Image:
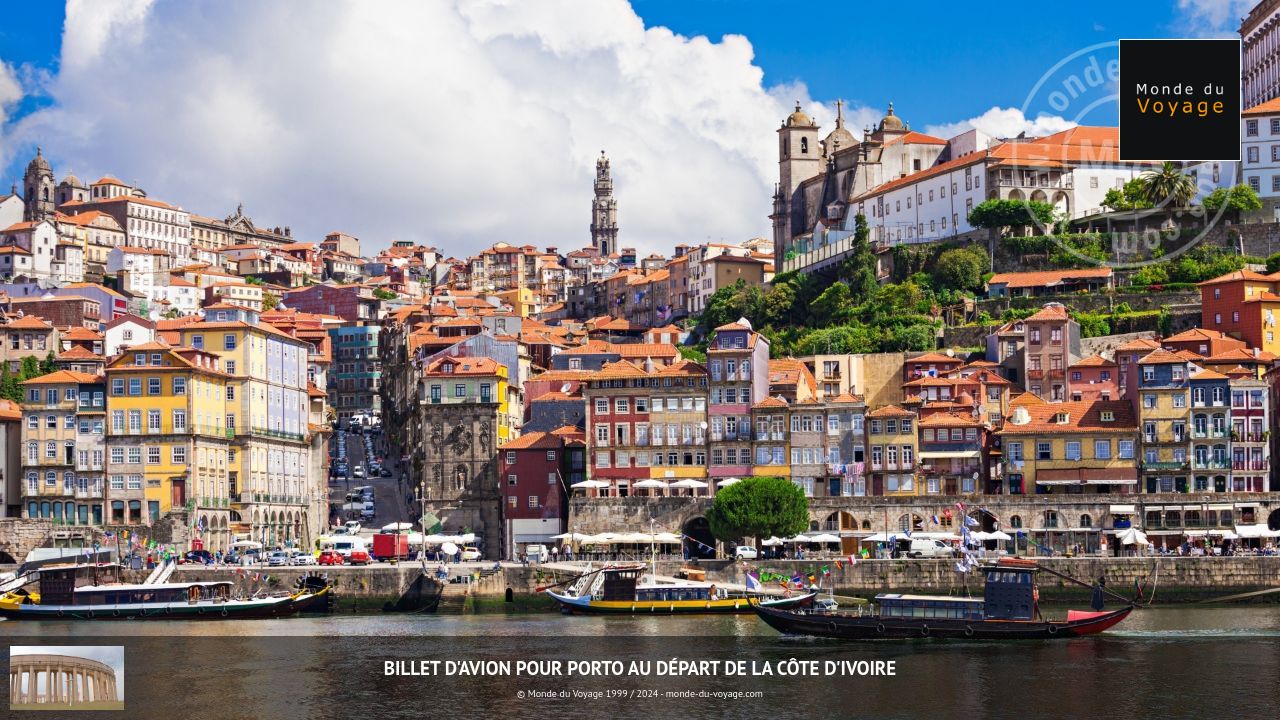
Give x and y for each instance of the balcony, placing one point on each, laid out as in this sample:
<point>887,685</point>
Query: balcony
<point>1251,465</point>
<point>1214,464</point>
<point>1163,465</point>
<point>1035,374</point>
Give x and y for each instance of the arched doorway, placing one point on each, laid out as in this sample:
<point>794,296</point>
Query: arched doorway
<point>1273,520</point>
<point>698,540</point>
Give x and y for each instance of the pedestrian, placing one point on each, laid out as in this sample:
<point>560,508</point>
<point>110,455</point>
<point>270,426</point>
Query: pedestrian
<point>553,553</point>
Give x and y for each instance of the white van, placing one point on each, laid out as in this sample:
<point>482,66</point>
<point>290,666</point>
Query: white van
<point>924,547</point>
<point>344,545</point>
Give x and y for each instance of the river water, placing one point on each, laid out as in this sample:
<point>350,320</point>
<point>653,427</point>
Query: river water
<point>1189,661</point>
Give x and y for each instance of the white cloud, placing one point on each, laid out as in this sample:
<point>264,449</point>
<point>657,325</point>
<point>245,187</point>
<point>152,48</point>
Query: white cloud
<point>10,94</point>
<point>454,123</point>
<point>1212,18</point>
<point>1004,123</point>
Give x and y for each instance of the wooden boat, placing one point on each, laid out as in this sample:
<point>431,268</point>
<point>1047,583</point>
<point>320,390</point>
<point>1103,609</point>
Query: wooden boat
<point>94,592</point>
<point>1008,610</point>
<point>627,590</point>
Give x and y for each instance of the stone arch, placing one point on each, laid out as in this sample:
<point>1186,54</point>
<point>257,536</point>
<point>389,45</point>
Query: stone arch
<point>1273,520</point>
<point>1015,522</point>
<point>866,524</point>
<point>1016,194</point>
<point>1061,203</point>
<point>911,522</point>
<point>698,538</point>
<point>1039,196</point>
<point>839,520</point>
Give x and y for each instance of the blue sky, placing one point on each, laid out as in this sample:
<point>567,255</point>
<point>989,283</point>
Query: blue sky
<point>959,61</point>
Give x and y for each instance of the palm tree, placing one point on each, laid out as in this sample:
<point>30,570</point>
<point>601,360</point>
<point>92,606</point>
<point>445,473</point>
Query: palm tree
<point>1168,187</point>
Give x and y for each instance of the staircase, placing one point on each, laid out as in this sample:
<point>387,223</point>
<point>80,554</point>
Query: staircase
<point>453,599</point>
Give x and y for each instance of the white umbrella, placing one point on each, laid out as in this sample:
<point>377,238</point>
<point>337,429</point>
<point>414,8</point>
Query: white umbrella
<point>590,484</point>
<point>1132,536</point>
<point>979,536</point>
<point>998,535</point>
<point>772,542</point>
<point>666,538</point>
<point>689,483</point>
<point>825,538</point>
<point>449,548</point>
<point>415,538</point>
<point>728,481</point>
<point>798,539</point>
<point>246,544</point>
<point>601,539</point>
<point>397,527</point>
<point>636,537</point>
<point>650,484</point>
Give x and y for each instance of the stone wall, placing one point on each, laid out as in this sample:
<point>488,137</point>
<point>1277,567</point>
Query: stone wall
<point>19,536</point>
<point>1093,302</point>
<point>592,516</point>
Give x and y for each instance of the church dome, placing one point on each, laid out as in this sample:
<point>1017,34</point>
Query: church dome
<point>798,117</point>
<point>73,181</point>
<point>891,121</point>
<point>38,164</point>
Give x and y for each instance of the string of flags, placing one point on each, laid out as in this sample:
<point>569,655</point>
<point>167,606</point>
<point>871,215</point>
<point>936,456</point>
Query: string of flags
<point>757,577</point>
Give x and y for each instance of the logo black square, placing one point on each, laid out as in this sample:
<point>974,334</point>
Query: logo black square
<point>1180,99</point>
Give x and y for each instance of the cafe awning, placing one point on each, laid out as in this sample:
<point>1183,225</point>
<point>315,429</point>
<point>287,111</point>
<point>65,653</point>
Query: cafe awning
<point>1088,476</point>
<point>942,454</point>
<point>1124,508</point>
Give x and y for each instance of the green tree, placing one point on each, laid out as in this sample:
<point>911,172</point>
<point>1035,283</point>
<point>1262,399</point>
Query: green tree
<point>833,307</point>
<point>694,353</point>
<point>1131,197</point>
<point>958,269</point>
<point>759,507</point>
<point>381,294</point>
<point>1236,200</point>
<point>914,337</point>
<point>999,215</point>
<point>859,269</point>
<point>1167,186</point>
<point>270,301</point>
<point>9,387</point>
<point>30,368</point>
<point>1273,263</point>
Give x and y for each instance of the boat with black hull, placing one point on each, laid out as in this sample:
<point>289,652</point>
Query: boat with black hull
<point>95,592</point>
<point>1008,610</point>
<point>627,589</point>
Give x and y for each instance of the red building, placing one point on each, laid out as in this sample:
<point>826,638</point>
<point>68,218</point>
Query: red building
<point>1205,343</point>
<point>931,364</point>
<point>617,426</point>
<point>1093,378</point>
<point>537,470</point>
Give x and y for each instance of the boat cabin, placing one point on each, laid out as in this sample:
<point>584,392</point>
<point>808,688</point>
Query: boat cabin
<point>929,607</point>
<point>1010,592</point>
<point>166,593</point>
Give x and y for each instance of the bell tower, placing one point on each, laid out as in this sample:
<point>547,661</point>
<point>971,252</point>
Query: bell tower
<point>799,158</point>
<point>604,211</point>
<point>39,189</point>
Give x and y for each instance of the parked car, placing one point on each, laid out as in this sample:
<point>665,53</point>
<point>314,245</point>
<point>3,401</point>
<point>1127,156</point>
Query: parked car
<point>385,472</point>
<point>329,557</point>
<point>304,559</point>
<point>357,472</point>
<point>278,559</point>
<point>352,527</point>
<point>359,557</point>
<point>924,547</point>
<point>470,553</point>
<point>745,552</point>
<point>197,556</point>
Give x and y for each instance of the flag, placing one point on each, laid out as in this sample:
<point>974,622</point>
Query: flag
<point>812,578</point>
<point>935,520</point>
<point>797,580</point>
<point>838,565</point>
<point>961,568</point>
<point>825,571</point>
<point>852,558</point>
<point>108,534</point>
<point>753,582</point>
<point>969,521</point>
<point>960,506</point>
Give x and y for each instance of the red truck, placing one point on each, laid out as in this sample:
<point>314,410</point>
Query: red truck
<point>390,545</point>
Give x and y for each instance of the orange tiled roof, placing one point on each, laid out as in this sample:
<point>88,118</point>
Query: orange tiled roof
<point>1082,417</point>
<point>890,411</point>
<point>1094,361</point>
<point>1050,312</point>
<point>1046,278</point>
<point>59,377</point>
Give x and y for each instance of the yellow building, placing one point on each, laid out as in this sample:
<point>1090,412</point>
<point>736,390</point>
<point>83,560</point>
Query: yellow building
<point>167,444</point>
<point>676,432</point>
<point>1088,447</point>
<point>523,301</point>
<point>892,450</point>
<point>274,500</point>
<point>771,446</point>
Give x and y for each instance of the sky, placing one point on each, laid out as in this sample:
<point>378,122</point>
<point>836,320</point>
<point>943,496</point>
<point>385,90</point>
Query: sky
<point>460,123</point>
<point>112,655</point>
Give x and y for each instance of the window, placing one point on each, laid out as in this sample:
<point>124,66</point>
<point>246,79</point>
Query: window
<point>1102,449</point>
<point>135,421</point>
<point>153,421</point>
<point>153,386</point>
<point>153,455</point>
<point>459,390</point>
<point>135,386</point>
<point>602,458</point>
<point>230,367</point>
<point>1251,128</point>
<point>179,386</point>
<point>1254,184</point>
<point>1251,155</point>
<point>1044,451</point>
<point>179,420</point>
<point>179,454</point>
<point>602,406</point>
<point>642,405</point>
<point>228,342</point>
<point>117,386</point>
<point>621,406</point>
